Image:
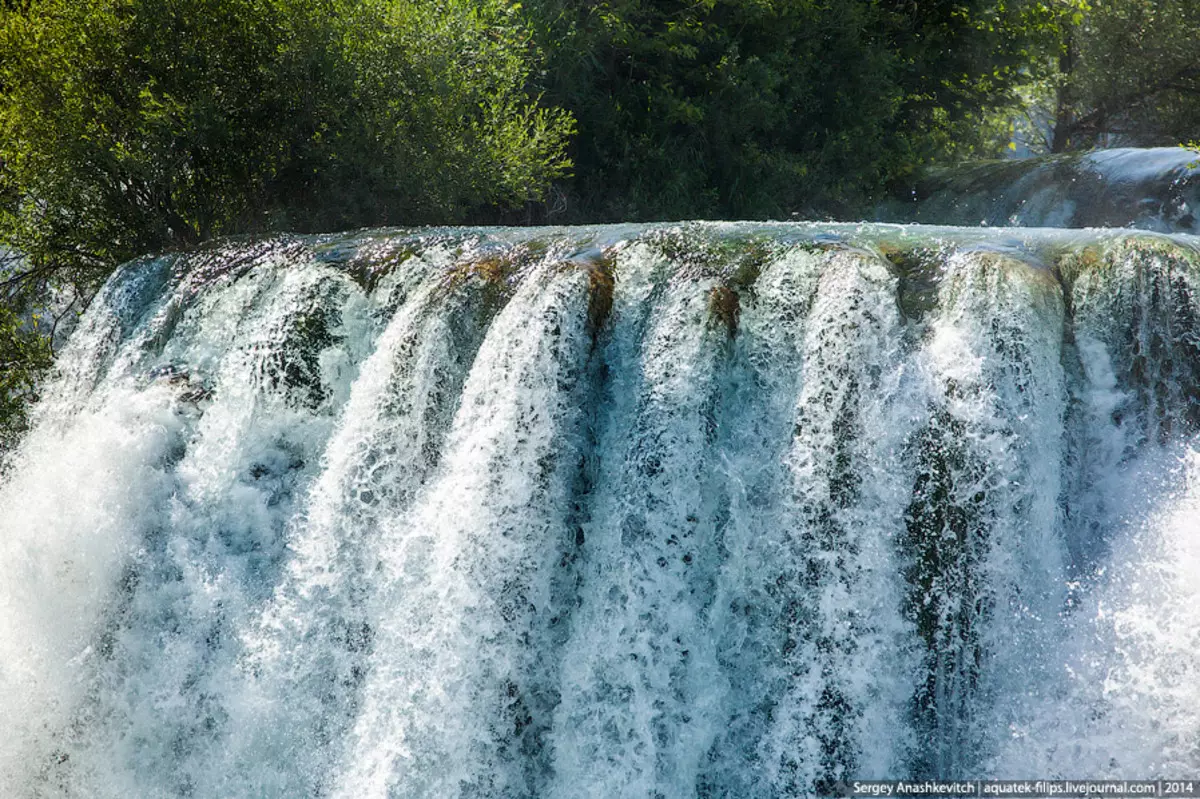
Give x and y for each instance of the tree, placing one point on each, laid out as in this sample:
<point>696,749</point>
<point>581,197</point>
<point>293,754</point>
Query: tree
<point>1116,72</point>
<point>24,358</point>
<point>764,108</point>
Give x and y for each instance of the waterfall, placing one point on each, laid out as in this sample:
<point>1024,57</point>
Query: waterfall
<point>712,509</point>
<point>1155,188</point>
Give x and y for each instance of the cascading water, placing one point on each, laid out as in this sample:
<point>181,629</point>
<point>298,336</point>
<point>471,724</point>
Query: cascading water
<point>700,510</point>
<point>1155,188</point>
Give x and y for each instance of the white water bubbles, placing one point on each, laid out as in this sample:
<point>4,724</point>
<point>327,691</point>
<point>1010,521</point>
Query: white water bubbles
<point>755,428</point>
<point>255,367</point>
<point>842,666</point>
<point>460,685</point>
<point>307,655</point>
<point>68,529</point>
<point>711,510</point>
<point>1124,704</point>
<point>641,685</point>
<point>985,566</point>
<point>1121,703</point>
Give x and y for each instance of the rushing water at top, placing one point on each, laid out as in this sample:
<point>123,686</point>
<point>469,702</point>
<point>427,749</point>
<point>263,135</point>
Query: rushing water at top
<point>1156,188</point>
<point>702,510</point>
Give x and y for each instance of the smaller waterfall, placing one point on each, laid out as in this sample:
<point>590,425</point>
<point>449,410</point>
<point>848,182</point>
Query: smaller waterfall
<point>1153,189</point>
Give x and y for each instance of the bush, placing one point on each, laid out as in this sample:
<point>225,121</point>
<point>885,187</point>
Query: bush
<point>25,356</point>
<point>768,108</point>
<point>129,126</point>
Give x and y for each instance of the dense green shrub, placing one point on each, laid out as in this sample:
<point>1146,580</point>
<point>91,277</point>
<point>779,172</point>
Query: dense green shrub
<point>127,126</point>
<point>768,108</point>
<point>1151,98</point>
<point>25,355</point>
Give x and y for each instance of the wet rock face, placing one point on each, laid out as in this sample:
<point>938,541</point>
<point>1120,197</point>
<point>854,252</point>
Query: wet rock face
<point>690,510</point>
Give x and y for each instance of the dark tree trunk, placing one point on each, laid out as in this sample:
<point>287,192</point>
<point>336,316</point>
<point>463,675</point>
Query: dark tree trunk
<point>1064,116</point>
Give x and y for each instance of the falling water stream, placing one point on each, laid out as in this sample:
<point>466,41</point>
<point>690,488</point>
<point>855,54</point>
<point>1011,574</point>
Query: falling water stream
<point>735,510</point>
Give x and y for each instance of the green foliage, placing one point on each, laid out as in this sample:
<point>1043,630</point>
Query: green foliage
<point>765,108</point>
<point>1152,98</point>
<point>129,126</point>
<point>1114,72</point>
<point>25,357</point>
